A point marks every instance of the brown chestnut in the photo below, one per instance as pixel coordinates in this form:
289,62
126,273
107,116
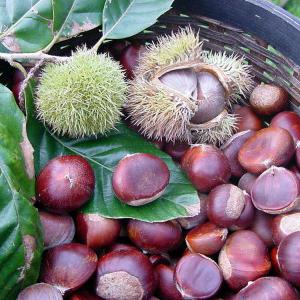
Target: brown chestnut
40,291
268,147
268,288
231,149
290,121
96,231
155,237
268,99
200,218
197,277
206,239
57,229
243,258
140,178
262,226
283,225
125,274
206,167
65,183
176,150
129,58
288,256
84,295
67,267
247,119
246,182
165,284
225,205
276,191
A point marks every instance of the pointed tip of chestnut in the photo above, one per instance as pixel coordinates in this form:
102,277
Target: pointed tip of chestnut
67,267
206,167
268,99
268,147
140,178
65,183
125,274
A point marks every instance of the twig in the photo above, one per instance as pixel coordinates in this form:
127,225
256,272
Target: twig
32,56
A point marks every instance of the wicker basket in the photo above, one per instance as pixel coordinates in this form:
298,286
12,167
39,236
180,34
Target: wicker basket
266,35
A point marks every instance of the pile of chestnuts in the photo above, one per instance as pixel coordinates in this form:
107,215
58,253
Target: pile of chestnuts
243,244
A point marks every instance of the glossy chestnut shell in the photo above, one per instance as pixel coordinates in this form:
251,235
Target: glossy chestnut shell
65,183
268,147
140,178
206,167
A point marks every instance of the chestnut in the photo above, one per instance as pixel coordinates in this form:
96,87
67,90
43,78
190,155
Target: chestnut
268,99
96,231
197,277
140,178
165,284
288,256
243,258
129,58
176,150
156,237
247,119
65,183
290,121
296,171
206,239
283,225
67,267
57,229
267,147
226,204
84,295
268,288
231,149
262,226
206,167
125,274
40,291
246,182
275,191
200,218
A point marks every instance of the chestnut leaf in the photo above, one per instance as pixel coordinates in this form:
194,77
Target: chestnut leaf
104,152
20,230
38,24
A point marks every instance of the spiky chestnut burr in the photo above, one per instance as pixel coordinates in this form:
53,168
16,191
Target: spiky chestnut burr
182,92
82,96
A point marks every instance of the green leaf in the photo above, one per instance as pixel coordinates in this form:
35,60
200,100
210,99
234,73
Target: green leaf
20,232
33,25
125,18
179,200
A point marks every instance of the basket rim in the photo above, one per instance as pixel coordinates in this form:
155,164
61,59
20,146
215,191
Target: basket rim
261,18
